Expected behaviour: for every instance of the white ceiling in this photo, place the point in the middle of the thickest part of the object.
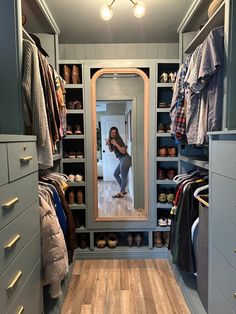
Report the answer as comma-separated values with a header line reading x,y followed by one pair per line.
x,y
79,21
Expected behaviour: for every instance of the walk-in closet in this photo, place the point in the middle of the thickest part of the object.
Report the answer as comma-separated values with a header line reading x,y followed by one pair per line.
x,y
117,157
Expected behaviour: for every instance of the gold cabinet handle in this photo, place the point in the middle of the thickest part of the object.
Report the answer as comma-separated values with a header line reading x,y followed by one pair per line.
x,y
11,202
28,158
20,309
14,280
12,242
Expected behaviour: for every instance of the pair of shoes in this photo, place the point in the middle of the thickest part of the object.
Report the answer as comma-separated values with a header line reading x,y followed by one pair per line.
x,y
169,173
162,128
74,155
77,130
111,240
79,195
75,178
134,239
167,152
161,238
164,222
166,197
71,74
76,104
168,78
163,105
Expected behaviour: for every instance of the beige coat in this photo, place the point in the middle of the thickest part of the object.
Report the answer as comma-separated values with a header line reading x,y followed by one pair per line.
x,y
54,253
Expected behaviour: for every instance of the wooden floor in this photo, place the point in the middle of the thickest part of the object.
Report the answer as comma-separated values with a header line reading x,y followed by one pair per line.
x,y
110,207
123,287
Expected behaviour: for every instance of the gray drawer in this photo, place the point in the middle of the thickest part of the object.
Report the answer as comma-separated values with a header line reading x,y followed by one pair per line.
x,y
224,158
217,303
25,190
30,291
22,159
223,276
224,196
224,241
15,235
19,269
3,164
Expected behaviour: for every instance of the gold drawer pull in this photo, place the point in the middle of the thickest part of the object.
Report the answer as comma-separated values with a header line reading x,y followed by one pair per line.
x,y
28,158
12,242
11,202
15,280
20,309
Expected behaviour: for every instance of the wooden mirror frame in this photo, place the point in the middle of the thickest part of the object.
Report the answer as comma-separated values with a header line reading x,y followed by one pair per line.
x,y
146,142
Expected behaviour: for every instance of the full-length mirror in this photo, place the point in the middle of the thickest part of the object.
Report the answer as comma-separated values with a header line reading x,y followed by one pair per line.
x,y
120,137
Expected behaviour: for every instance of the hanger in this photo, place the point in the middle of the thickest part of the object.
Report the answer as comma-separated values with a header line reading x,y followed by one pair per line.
x,y
199,197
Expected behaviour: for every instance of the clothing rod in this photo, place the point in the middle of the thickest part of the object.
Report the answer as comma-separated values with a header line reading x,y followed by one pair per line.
x,y
27,36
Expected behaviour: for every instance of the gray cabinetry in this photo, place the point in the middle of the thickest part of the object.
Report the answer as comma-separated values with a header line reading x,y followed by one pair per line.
x,y
20,262
222,223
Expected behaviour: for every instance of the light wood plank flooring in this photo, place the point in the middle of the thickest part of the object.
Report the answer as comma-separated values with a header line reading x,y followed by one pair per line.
x,y
110,207
123,287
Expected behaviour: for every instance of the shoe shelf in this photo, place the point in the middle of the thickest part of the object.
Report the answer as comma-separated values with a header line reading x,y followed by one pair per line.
x,y
195,162
163,109
165,134
75,184
77,206
72,160
74,137
164,205
75,111
74,86
167,159
161,85
163,229
166,181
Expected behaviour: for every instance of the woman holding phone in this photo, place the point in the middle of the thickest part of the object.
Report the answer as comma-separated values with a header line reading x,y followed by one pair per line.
x,y
117,145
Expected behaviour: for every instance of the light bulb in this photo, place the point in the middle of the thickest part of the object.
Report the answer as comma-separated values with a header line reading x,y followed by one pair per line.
x,y
139,9
106,12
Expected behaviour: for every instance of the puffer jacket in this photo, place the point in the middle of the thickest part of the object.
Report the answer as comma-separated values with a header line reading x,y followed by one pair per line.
x,y
53,248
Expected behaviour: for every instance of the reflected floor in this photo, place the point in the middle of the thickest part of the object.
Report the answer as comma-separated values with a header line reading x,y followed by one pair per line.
x,y
118,207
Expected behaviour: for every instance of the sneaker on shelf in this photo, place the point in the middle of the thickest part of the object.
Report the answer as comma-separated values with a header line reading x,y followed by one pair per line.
x,y
172,152
72,155
164,77
79,155
78,178
70,105
171,173
162,152
78,104
71,177
65,155
161,175
169,222
78,130
170,196
69,130
162,197
161,128
162,222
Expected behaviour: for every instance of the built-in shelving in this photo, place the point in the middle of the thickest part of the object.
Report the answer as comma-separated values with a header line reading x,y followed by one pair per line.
x,y
201,163
216,20
72,160
167,159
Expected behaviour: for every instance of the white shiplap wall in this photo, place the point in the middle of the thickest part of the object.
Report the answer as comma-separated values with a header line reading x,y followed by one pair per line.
x,y
119,51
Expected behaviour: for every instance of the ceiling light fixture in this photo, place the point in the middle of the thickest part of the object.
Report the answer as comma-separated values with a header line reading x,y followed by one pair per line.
x,y
106,11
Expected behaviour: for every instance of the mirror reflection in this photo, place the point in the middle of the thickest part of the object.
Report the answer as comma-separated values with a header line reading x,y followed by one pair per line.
x,y
120,145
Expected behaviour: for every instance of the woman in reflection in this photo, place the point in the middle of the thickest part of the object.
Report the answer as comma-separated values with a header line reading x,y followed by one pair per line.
x,y
117,145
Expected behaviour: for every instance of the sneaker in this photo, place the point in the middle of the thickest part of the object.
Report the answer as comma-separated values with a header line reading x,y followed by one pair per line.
x,y
79,155
162,222
161,128
78,130
69,130
71,177
170,196
162,197
72,155
78,178
169,222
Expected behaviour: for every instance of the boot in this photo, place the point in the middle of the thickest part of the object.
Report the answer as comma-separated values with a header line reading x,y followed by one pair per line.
x,y
80,197
166,238
138,239
158,239
75,75
71,197
130,240
66,74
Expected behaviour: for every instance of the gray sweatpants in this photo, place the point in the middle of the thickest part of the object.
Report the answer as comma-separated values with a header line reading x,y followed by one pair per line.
x,y
122,170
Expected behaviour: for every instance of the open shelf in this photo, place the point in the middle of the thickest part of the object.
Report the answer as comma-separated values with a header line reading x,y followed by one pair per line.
x,y
75,184
74,86
75,111
216,20
201,163
165,85
76,206
167,159
164,205
163,134
166,181
163,109
72,160
160,228
74,137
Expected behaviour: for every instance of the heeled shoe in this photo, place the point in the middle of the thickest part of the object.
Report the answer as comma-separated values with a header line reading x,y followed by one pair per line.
x,y
138,239
75,75
71,197
164,78
130,240
101,240
112,240
66,73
